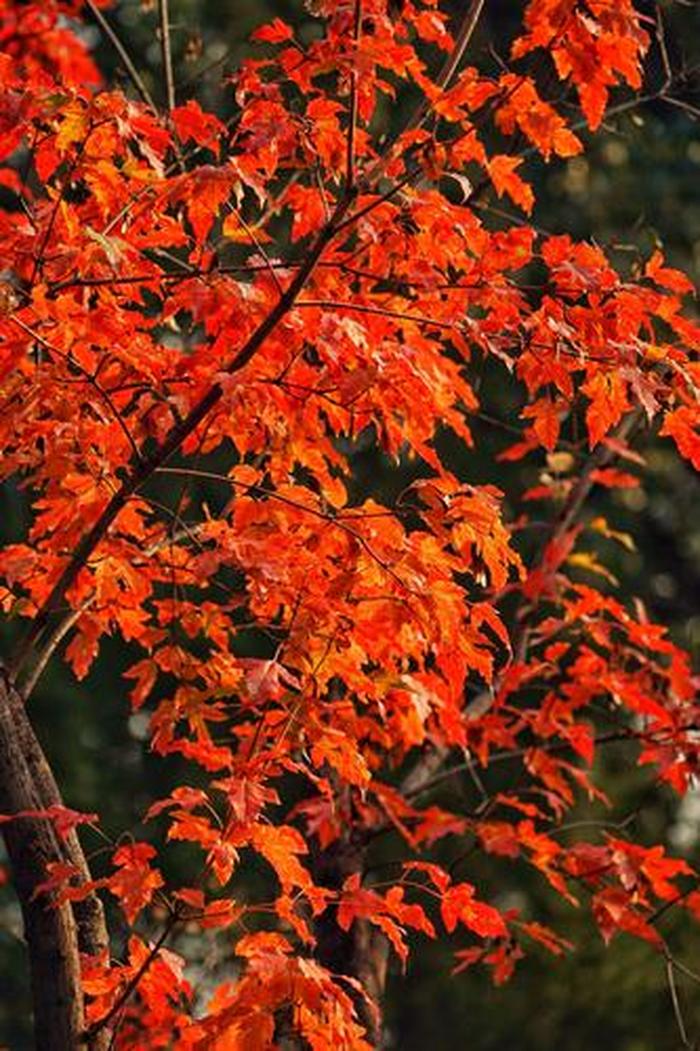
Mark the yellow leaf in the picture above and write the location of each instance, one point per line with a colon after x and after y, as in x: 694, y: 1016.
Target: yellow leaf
x: 560, y: 462
x: 73, y: 127
x: 599, y: 525
x: 235, y: 230
x: 588, y: 561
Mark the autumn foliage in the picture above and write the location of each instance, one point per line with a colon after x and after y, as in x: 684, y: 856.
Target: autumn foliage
x: 191, y: 302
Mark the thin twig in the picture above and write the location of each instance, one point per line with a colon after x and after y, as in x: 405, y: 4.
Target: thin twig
x: 337, y: 520
x: 365, y: 308
x: 352, y: 120
x: 186, y: 532
x: 466, y: 32
x: 442, y: 81
x: 601, y: 456
x: 133, y: 982
x: 663, y: 51
x: 693, y: 975
x: 427, y: 785
x: 666, y: 906
x: 52, y: 643
x: 118, y: 46
x: 352, y: 219
x: 692, y: 111
x: 269, y: 265
x: 671, y: 979
x: 248, y: 268
x: 166, y: 54
x: 39, y: 257
x: 610, y: 737
x: 87, y: 378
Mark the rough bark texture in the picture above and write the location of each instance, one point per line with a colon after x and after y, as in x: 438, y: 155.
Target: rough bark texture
x: 55, y: 935
x: 362, y: 952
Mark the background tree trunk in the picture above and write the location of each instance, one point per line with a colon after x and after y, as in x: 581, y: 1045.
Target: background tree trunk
x: 361, y: 952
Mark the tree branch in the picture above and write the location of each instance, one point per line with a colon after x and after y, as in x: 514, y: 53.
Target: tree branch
x: 426, y: 773
x: 130, y: 988
x: 144, y: 469
x: 116, y: 43
x: 352, y: 122
x: 166, y: 53
x: 442, y: 81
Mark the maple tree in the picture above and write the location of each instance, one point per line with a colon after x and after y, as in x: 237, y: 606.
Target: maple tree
x: 190, y: 300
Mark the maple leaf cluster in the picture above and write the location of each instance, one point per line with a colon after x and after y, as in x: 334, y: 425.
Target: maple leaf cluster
x: 197, y: 306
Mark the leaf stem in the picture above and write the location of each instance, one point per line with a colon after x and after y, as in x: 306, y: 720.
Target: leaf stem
x: 133, y: 982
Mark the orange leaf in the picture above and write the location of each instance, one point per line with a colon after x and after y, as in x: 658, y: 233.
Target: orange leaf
x: 502, y: 170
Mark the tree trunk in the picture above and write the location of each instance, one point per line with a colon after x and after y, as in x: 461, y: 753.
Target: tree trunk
x: 363, y: 951
x: 55, y: 935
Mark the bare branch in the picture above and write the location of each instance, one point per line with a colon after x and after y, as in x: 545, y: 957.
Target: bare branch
x: 115, y: 41
x: 671, y: 979
x: 166, y: 53
x: 53, y: 642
